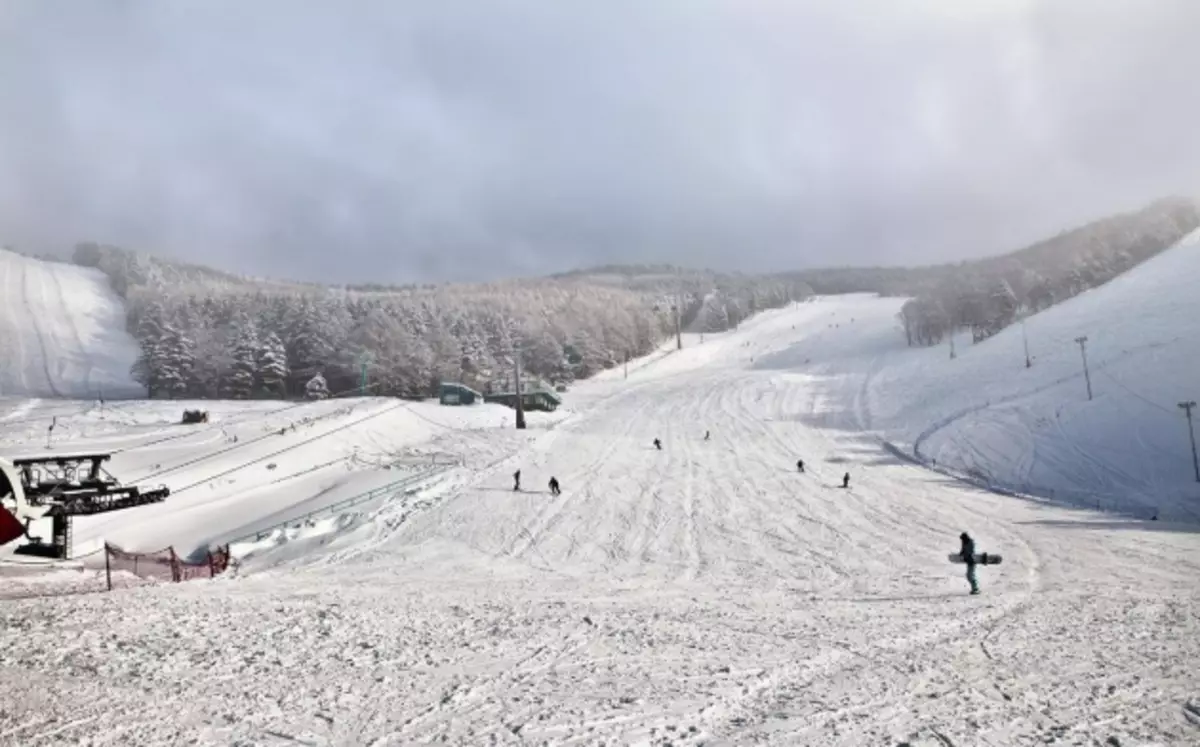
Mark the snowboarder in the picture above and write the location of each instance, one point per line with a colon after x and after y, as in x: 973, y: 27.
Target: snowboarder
x: 707, y: 435
x: 846, y: 480
x: 800, y: 464
x: 554, y: 486
x: 516, y: 481
x: 658, y: 444
x: 968, y: 555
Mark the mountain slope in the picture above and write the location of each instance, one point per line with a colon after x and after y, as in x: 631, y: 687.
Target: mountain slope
x: 705, y: 593
x: 986, y: 415
x: 62, y: 330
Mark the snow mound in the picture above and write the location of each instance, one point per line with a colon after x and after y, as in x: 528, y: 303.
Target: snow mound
x: 62, y: 330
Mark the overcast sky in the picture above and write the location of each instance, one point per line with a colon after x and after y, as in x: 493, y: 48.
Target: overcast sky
x: 473, y: 139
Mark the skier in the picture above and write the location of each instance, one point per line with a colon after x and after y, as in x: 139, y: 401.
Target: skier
x: 658, y: 444
x: 516, y: 481
x: 967, y: 551
x: 706, y: 435
x: 554, y: 486
x: 846, y: 480
x: 800, y: 464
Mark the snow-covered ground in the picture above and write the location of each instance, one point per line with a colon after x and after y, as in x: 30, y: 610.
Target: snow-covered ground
x: 985, y: 415
x: 255, y: 464
x: 62, y: 332
x: 705, y: 593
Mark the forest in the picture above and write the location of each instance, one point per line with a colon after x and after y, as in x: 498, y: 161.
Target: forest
x: 988, y: 295
x: 209, y: 334
x: 204, y: 333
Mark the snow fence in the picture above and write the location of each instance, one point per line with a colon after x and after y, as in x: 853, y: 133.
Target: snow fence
x: 106, y: 569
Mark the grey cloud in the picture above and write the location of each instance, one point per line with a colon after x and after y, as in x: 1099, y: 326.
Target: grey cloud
x: 468, y: 140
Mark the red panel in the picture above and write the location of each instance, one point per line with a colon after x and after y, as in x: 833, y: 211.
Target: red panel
x: 10, y: 528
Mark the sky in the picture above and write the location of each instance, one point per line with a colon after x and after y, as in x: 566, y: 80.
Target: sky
x: 463, y: 140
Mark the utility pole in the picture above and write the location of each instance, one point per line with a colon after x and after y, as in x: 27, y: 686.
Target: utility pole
x: 678, y: 310
x: 520, y: 403
x: 1187, y: 408
x: 1086, y: 376
x: 363, y: 360
x: 1025, y: 339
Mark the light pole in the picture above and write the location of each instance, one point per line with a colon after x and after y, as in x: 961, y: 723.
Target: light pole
x: 1187, y: 408
x: 1086, y: 376
x: 520, y: 403
x: 678, y: 310
x: 1025, y: 339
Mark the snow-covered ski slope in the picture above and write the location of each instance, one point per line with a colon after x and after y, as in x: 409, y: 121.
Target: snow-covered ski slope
x: 985, y: 415
x: 706, y: 593
x: 62, y: 332
x: 254, y: 464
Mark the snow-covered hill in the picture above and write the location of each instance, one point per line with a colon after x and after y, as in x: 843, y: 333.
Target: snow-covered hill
x: 62, y: 332
x: 986, y: 415
x: 705, y: 593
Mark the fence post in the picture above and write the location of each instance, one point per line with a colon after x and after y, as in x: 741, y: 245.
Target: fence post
x: 107, y: 568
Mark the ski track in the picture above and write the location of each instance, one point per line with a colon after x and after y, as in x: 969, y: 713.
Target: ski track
x: 707, y: 594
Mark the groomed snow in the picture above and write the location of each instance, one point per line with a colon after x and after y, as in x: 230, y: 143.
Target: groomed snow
x: 706, y: 593
x: 986, y: 416
x: 62, y: 332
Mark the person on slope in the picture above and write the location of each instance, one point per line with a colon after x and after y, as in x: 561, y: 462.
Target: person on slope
x: 846, y: 480
x: 707, y: 435
x: 554, y: 486
x: 800, y: 465
x: 967, y: 551
x: 516, y: 481
x: 658, y: 444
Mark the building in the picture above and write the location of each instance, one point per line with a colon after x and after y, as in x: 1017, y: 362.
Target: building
x: 541, y: 398
x: 453, y: 393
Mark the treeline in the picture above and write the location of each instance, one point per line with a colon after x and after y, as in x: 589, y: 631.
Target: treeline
x: 204, y: 333
x: 988, y: 295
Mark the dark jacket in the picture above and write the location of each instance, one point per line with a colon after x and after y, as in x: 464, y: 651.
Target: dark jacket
x: 968, y: 548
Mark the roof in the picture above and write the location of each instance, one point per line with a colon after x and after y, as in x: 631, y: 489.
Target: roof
x: 459, y: 386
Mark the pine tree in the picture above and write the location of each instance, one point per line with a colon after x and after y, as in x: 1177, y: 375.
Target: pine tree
x: 245, y: 362
x: 176, y: 357
x: 316, y: 388
x: 272, y: 366
x: 150, y: 335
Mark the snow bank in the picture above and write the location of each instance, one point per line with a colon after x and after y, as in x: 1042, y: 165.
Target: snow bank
x: 62, y: 330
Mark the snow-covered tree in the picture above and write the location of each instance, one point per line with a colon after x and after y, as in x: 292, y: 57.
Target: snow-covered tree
x: 244, y: 367
x: 272, y: 366
x: 316, y: 388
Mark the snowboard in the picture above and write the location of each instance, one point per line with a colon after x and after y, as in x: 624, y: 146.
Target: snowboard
x: 981, y: 558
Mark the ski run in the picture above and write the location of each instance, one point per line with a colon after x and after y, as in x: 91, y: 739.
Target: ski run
x: 705, y: 593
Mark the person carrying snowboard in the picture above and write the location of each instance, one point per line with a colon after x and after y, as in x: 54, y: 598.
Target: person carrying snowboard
x: 846, y: 480
x: 554, y: 486
x: 967, y: 551
x: 658, y: 444
x: 800, y: 465
x: 516, y: 481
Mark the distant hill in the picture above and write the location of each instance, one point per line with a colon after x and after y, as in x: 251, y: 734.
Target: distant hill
x: 202, y: 332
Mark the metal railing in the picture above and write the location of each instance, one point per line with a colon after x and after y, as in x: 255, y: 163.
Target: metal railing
x: 407, y: 484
